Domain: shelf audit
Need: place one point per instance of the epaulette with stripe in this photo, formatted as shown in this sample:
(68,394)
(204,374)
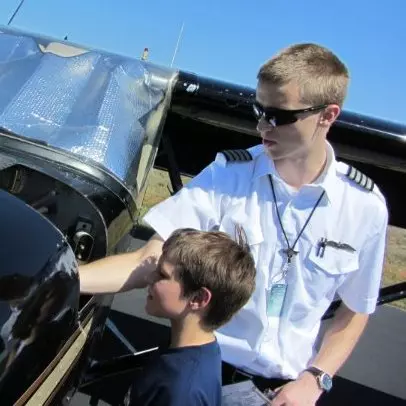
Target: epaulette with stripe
(237,155)
(360,178)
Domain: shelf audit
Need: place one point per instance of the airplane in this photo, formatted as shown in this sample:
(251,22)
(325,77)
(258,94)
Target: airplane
(80,131)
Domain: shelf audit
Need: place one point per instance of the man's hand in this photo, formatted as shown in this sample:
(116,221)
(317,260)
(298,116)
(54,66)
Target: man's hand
(304,391)
(122,272)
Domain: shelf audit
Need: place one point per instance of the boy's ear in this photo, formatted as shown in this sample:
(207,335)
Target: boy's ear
(200,299)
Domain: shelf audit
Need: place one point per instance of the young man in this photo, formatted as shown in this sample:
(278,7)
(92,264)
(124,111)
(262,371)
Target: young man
(201,281)
(316,228)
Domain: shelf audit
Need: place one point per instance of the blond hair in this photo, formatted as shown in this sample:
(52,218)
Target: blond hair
(321,75)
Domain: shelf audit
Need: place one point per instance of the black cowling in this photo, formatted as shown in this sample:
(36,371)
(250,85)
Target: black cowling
(39,295)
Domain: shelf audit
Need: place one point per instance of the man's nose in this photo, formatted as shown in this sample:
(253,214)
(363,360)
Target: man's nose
(264,126)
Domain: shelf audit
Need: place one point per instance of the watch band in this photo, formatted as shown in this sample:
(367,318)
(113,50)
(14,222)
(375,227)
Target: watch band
(314,370)
(324,380)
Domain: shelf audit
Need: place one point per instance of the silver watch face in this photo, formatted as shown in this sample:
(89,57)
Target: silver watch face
(326,382)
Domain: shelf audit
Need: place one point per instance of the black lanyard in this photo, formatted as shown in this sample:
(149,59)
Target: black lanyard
(290,251)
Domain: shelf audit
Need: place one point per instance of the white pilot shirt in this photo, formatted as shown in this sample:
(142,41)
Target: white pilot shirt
(228,193)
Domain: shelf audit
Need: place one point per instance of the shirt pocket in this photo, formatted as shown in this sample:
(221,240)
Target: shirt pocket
(322,275)
(250,226)
(254,238)
(334,261)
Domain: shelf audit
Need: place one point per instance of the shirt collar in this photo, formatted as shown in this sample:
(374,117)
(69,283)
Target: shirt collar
(327,179)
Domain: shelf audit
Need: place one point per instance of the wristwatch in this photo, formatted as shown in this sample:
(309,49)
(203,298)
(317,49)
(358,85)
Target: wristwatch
(324,380)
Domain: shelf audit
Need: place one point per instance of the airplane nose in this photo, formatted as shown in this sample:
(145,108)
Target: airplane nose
(39,272)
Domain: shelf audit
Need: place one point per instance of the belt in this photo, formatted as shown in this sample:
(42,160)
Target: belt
(232,374)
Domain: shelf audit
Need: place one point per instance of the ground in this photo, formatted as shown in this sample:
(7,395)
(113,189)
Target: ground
(395,264)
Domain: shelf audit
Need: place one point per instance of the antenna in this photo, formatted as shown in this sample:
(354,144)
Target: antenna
(15,12)
(177,43)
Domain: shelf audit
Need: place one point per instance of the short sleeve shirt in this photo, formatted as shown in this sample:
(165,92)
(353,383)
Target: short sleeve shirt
(180,376)
(228,193)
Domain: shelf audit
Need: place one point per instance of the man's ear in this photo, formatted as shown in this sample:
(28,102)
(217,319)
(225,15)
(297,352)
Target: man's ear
(200,299)
(330,115)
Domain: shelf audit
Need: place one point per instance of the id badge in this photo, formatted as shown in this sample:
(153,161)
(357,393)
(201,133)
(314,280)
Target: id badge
(275,298)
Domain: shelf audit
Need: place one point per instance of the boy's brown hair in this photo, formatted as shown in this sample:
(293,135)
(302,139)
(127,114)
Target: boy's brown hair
(211,259)
(321,75)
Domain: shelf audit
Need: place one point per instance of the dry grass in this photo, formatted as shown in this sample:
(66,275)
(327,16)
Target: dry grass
(395,265)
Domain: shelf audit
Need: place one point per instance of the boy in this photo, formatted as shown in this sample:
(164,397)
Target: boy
(202,279)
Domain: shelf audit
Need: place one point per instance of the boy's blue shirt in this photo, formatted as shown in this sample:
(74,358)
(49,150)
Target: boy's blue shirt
(179,377)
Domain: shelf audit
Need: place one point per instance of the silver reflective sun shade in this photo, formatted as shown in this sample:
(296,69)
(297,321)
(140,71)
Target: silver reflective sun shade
(99,106)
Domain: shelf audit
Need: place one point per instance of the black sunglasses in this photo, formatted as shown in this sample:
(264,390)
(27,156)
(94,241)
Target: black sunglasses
(277,117)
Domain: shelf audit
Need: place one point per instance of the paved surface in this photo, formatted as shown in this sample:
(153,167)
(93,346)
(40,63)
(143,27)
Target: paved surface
(374,375)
